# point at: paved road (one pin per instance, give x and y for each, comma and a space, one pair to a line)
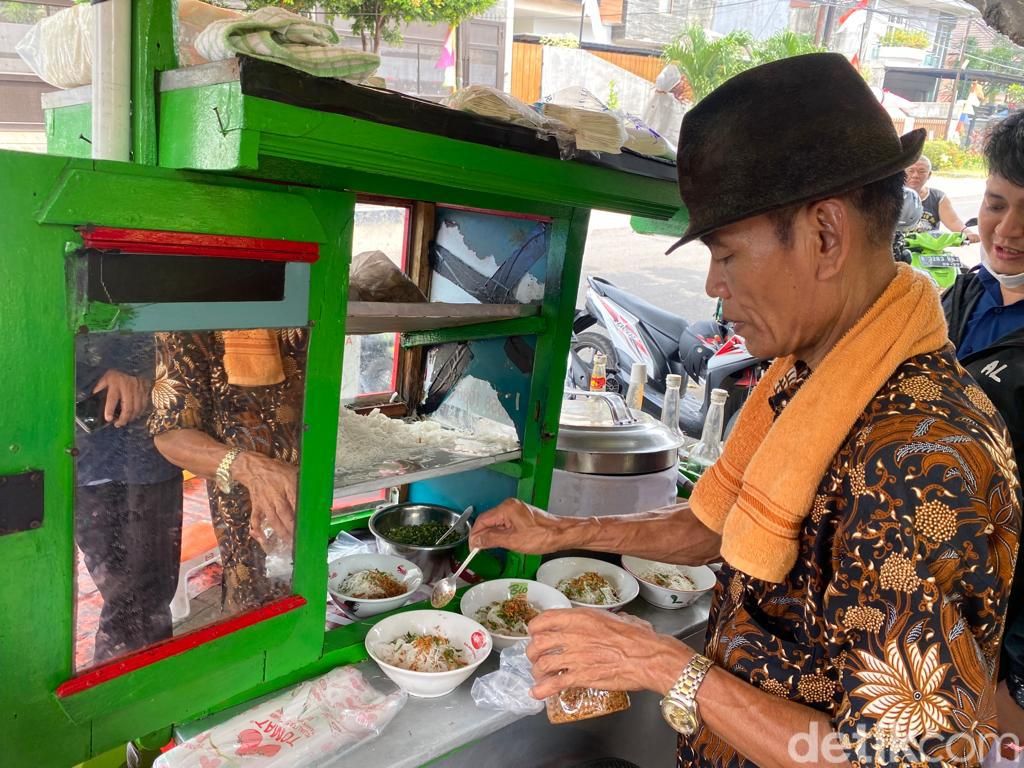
638, 263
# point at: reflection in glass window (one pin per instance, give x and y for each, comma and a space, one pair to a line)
149, 408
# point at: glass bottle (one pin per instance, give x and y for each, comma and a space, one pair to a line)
709, 448
670, 408
599, 373
635, 393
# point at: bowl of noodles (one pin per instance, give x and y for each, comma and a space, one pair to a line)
670, 586
506, 606
368, 584
428, 653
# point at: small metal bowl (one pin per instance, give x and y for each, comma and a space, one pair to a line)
435, 562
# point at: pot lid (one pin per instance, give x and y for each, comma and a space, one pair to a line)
599, 435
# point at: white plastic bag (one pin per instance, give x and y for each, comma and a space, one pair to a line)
508, 689
58, 48
644, 140
664, 113
314, 722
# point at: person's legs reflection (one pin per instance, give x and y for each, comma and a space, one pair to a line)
130, 537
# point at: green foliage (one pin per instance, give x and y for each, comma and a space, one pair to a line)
613, 95
906, 38
560, 41
783, 46
1004, 56
21, 13
1015, 94
948, 155
381, 21
707, 63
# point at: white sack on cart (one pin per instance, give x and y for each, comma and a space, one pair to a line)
58, 48
664, 113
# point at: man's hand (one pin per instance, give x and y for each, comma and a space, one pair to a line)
590, 648
273, 489
130, 392
515, 525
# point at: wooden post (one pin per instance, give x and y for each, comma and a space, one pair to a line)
956, 80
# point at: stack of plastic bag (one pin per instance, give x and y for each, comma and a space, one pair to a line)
596, 127
485, 101
308, 725
645, 140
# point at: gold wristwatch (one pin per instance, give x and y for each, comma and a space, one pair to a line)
679, 707
224, 483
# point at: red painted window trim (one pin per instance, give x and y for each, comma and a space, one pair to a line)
176, 646
159, 242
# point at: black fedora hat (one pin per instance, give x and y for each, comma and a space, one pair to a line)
792, 131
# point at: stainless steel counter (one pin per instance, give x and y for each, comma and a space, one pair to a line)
453, 726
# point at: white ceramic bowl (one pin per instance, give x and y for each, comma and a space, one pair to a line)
702, 577
461, 632
555, 571
403, 570
540, 596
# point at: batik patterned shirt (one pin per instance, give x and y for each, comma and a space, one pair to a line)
890, 622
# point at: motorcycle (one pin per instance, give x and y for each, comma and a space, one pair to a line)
927, 252
704, 352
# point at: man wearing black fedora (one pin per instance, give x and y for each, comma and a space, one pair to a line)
865, 505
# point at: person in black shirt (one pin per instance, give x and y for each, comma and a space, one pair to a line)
937, 207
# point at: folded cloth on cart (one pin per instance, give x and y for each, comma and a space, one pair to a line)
308, 725
277, 35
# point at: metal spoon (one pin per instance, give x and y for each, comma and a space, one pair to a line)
459, 521
444, 590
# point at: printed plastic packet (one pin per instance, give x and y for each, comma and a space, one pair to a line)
307, 725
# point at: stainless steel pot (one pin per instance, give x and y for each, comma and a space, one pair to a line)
435, 562
609, 439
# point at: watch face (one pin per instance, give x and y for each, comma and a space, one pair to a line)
679, 717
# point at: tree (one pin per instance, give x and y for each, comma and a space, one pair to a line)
706, 63
783, 46
381, 21
1003, 57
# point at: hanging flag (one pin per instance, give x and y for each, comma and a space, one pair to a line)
860, 6
855, 61
446, 60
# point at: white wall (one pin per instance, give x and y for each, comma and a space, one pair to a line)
567, 67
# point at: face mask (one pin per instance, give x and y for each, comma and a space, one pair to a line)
1011, 282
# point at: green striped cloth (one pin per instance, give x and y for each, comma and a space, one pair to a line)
274, 34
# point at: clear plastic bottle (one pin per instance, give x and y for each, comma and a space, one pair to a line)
599, 373
635, 393
709, 448
670, 408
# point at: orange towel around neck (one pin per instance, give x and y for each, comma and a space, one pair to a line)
761, 489
253, 358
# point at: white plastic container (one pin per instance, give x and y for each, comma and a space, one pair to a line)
578, 495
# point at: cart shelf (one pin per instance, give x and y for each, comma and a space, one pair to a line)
381, 317
437, 463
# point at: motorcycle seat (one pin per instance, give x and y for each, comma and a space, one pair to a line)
669, 325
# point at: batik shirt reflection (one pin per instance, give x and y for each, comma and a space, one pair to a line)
192, 392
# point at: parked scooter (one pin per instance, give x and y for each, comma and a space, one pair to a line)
927, 252
705, 352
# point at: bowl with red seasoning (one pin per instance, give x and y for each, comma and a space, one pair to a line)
369, 584
428, 653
